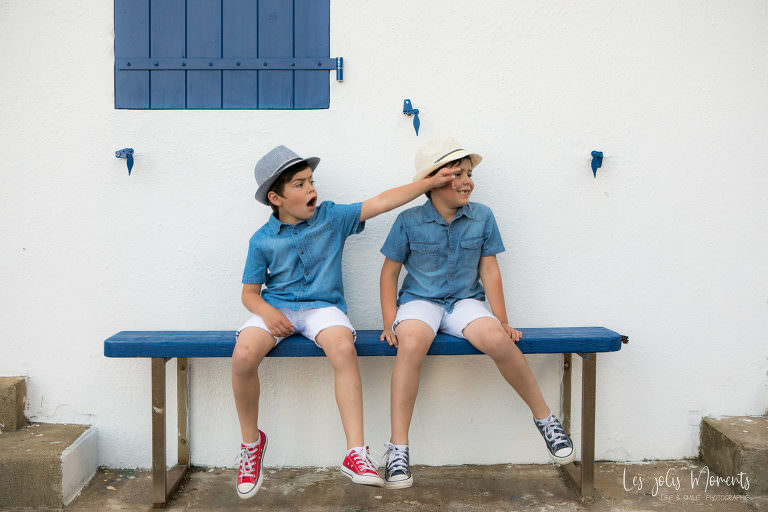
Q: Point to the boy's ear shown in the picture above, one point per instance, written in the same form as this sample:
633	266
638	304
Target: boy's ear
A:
274	198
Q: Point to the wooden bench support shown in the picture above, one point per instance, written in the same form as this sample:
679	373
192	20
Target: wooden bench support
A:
165	482
582	474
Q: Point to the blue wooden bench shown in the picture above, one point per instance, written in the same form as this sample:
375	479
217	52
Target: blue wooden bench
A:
164	345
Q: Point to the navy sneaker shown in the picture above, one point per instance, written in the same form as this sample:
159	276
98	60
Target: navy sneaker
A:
559	444
397	474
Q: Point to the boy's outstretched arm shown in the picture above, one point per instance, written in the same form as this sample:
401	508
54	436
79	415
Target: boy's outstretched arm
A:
490	275
390	271
277	323
394	197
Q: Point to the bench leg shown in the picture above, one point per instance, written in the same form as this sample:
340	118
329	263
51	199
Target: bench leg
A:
158	431
567	392
588	388
583	475
182	399
164	483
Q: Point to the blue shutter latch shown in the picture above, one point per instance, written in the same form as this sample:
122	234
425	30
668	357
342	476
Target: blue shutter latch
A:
597	162
410	111
126	153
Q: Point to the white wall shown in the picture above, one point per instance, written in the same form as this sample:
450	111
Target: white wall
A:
668	245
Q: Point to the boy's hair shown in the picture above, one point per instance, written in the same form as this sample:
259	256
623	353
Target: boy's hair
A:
278	187
428	193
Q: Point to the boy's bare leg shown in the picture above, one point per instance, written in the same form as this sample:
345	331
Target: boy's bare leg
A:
252	346
489	337
339	347
413	340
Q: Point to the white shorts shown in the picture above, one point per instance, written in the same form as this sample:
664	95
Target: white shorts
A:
307	322
438	319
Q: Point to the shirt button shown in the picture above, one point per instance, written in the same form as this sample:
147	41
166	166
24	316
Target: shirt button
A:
306	273
301	252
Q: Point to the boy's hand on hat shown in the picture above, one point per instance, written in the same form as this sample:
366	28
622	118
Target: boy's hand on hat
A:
389	336
277	323
512	333
443	176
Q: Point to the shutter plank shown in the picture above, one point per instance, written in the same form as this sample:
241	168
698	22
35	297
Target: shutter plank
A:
131	40
240	39
312	89
275	40
167	33
203	40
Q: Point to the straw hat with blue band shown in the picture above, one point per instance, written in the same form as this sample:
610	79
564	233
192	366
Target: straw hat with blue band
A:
436	153
273	164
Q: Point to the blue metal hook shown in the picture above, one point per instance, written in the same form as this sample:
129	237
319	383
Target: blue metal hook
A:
126	153
410	111
597	161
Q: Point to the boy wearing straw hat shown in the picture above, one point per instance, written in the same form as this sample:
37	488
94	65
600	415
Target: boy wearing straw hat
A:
448	246
297	256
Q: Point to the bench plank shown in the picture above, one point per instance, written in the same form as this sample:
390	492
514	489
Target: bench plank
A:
550	340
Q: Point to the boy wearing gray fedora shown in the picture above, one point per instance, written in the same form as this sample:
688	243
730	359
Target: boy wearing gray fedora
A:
448	246
296	256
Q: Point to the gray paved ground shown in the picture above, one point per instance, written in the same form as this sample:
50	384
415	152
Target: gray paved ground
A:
460	488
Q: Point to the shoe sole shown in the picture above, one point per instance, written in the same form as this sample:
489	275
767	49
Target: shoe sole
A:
252	492
361	479
562	461
399	484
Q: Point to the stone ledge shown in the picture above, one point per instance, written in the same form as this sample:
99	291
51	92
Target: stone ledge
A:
13	397
737	444
46	465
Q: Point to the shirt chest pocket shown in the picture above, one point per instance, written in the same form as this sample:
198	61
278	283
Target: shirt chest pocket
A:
470	251
425	255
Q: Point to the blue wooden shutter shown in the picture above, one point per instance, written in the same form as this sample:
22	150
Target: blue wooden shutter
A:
166	39
311	23
204	40
131	41
241	88
211	54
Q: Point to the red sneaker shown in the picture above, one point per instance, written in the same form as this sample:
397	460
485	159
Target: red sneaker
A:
250	474
359	466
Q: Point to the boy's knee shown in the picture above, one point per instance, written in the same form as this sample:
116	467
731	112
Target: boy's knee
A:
411	348
340	350
346	350
499	345
245	361
251	347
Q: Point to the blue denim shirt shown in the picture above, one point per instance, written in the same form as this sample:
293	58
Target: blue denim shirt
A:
442	259
301	264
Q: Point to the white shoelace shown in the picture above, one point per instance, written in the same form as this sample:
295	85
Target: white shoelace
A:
243	460
365	459
396	458
553	432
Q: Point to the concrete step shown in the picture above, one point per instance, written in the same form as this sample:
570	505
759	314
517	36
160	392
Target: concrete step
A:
518	487
46	465
737	447
13	397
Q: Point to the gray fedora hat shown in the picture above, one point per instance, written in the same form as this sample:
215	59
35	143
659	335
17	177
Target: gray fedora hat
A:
273	164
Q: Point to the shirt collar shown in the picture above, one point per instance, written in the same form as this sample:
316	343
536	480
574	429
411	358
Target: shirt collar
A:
274	223
430	214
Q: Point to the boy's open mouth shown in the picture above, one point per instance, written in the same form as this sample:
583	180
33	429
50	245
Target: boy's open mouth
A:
311	202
